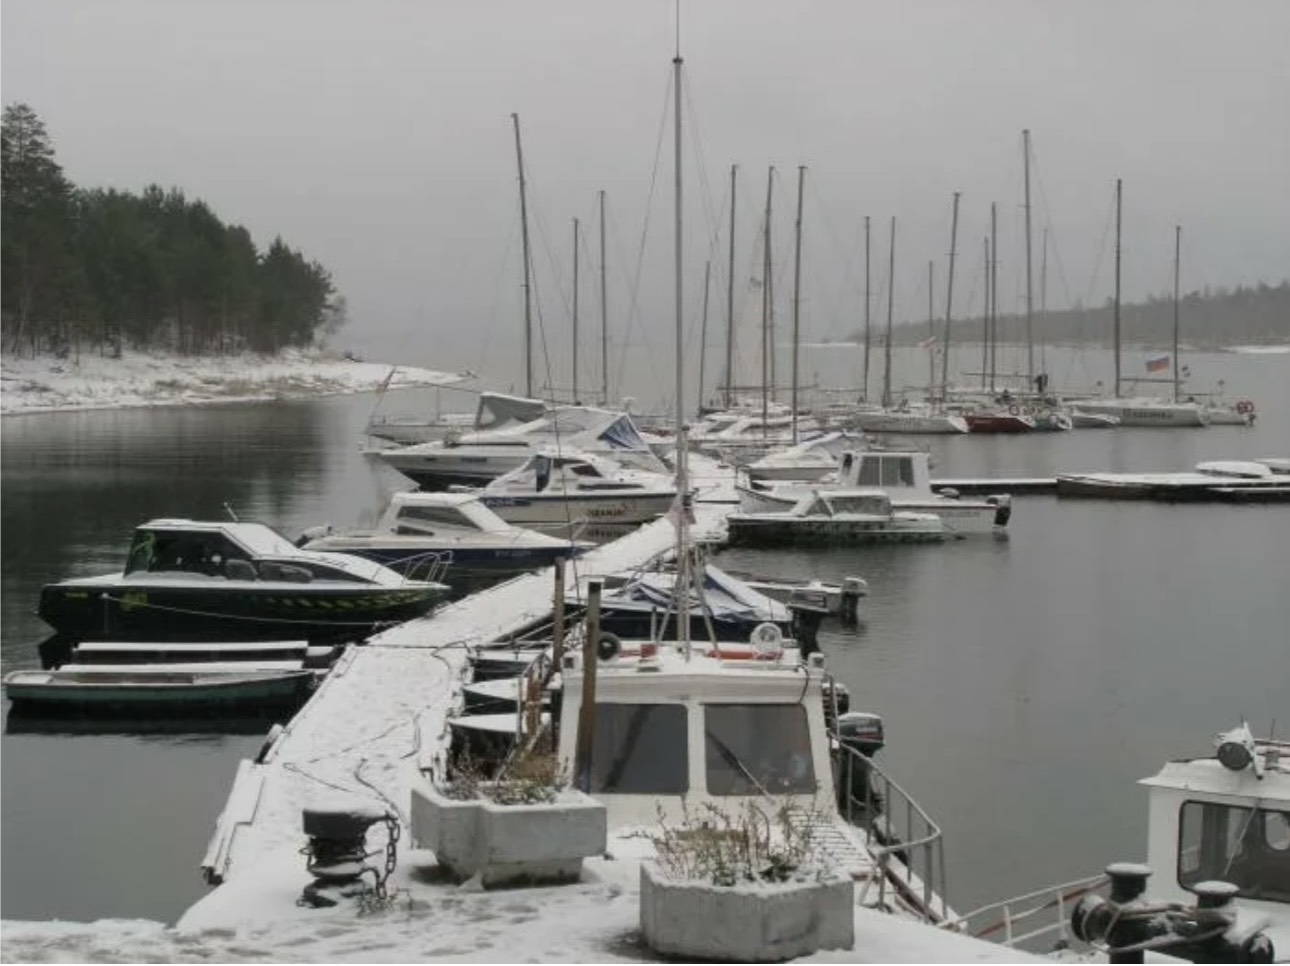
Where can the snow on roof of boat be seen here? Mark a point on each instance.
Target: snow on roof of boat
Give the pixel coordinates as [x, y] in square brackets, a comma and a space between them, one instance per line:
[1242, 468]
[1208, 775]
[259, 538]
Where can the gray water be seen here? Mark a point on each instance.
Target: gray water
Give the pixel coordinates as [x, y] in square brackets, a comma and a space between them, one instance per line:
[1026, 684]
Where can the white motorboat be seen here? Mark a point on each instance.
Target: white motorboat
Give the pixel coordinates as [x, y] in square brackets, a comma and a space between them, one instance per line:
[905, 418]
[562, 488]
[904, 477]
[808, 461]
[443, 535]
[739, 436]
[844, 516]
[1216, 883]
[477, 458]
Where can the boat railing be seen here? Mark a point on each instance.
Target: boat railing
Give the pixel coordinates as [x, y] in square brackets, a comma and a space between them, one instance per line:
[1044, 913]
[906, 845]
[430, 566]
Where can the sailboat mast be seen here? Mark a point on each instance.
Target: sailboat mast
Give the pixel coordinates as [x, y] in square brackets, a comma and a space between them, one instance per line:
[985, 314]
[891, 289]
[682, 486]
[575, 311]
[1118, 190]
[604, 312]
[949, 301]
[765, 306]
[931, 332]
[797, 290]
[1177, 253]
[864, 383]
[703, 330]
[524, 236]
[994, 290]
[1030, 302]
[1043, 300]
[730, 298]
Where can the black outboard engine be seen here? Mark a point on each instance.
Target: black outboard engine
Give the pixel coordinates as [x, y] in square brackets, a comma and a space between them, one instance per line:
[808, 609]
[860, 731]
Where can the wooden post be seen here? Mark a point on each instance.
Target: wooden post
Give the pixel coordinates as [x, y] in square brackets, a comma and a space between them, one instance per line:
[587, 709]
[557, 626]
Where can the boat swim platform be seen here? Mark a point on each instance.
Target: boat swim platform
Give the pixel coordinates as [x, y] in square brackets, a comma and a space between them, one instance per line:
[381, 714]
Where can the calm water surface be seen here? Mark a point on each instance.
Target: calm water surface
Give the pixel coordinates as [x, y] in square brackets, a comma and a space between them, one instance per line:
[1026, 684]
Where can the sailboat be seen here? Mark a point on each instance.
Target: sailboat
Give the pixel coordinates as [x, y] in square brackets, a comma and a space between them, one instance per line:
[1139, 410]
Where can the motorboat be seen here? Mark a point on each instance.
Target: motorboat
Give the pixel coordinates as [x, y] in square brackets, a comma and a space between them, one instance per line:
[442, 535]
[808, 462]
[1211, 481]
[837, 599]
[193, 580]
[1216, 883]
[557, 488]
[904, 476]
[740, 436]
[479, 457]
[111, 688]
[911, 419]
[838, 516]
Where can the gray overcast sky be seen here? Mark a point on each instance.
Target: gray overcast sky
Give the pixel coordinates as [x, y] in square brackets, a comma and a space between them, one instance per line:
[375, 136]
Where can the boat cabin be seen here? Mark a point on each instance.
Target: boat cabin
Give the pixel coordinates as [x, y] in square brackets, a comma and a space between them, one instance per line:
[826, 503]
[238, 551]
[731, 723]
[1224, 817]
[907, 471]
[551, 472]
[415, 513]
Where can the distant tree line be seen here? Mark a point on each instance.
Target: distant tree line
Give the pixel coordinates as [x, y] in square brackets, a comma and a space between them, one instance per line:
[1209, 319]
[103, 269]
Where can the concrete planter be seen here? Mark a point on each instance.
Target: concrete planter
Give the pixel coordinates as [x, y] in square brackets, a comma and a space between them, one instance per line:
[509, 844]
[756, 922]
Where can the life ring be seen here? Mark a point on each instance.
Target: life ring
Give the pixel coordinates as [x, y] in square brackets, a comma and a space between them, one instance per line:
[1014, 410]
[1245, 407]
[608, 646]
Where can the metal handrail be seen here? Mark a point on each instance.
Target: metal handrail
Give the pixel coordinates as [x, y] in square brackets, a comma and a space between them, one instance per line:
[921, 847]
[988, 920]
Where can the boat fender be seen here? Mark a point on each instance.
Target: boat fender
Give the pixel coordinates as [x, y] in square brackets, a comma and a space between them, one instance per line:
[1014, 410]
[270, 740]
[1245, 407]
[608, 646]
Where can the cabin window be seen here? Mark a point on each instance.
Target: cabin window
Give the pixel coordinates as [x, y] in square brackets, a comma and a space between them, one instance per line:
[442, 515]
[582, 469]
[870, 472]
[1249, 847]
[897, 472]
[757, 749]
[198, 553]
[640, 749]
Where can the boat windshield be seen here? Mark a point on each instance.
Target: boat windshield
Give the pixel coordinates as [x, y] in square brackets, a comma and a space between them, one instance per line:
[640, 749]
[181, 551]
[758, 749]
[1249, 847]
[886, 471]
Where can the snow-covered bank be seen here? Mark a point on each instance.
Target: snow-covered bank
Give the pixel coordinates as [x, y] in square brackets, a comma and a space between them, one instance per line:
[50, 384]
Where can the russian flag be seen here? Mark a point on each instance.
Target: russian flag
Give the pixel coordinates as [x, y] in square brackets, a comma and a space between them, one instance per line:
[1156, 363]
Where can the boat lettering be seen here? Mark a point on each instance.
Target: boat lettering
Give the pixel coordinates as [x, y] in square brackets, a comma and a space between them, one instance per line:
[132, 599]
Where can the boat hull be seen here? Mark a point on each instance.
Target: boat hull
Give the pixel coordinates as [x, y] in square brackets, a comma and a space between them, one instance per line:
[898, 422]
[560, 509]
[106, 690]
[959, 517]
[999, 423]
[1184, 490]
[260, 611]
[1162, 415]
[750, 532]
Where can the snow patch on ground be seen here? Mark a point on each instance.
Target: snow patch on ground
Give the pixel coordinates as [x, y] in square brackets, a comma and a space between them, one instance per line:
[51, 384]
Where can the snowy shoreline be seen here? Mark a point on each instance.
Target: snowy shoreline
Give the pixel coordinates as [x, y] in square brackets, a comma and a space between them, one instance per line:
[47, 384]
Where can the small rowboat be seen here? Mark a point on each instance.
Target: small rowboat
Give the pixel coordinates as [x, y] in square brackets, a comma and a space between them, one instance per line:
[110, 687]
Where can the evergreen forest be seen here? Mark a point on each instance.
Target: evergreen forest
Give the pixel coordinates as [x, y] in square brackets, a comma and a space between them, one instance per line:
[98, 269]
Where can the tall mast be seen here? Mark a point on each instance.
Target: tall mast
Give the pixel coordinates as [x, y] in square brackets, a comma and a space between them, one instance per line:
[1177, 253]
[524, 235]
[765, 306]
[604, 312]
[1043, 301]
[949, 301]
[931, 332]
[682, 599]
[797, 290]
[1030, 302]
[730, 298]
[985, 315]
[1117, 287]
[864, 383]
[891, 289]
[994, 289]
[575, 311]
[703, 330]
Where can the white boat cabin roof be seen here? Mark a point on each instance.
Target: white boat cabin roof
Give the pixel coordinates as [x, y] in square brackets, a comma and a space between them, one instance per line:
[1208, 775]
[418, 511]
[258, 539]
[898, 469]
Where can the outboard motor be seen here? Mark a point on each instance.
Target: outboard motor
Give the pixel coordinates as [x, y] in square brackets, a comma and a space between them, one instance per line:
[808, 609]
[1003, 508]
[853, 588]
[860, 731]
